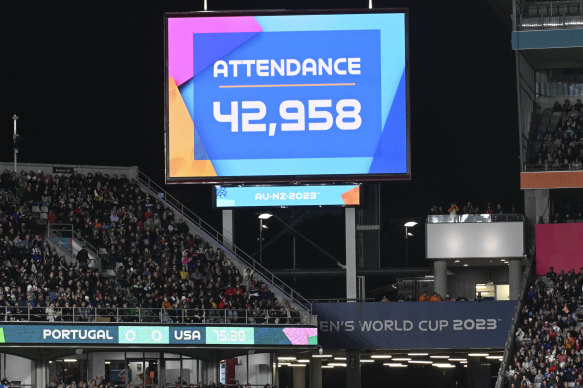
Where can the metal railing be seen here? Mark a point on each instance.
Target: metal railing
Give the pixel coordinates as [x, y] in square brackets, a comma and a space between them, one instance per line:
[549, 167]
[559, 89]
[149, 315]
[342, 300]
[509, 347]
[474, 218]
[58, 232]
[226, 245]
[550, 14]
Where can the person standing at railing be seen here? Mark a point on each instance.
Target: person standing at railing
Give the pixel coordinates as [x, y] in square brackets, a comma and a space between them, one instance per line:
[164, 315]
[83, 258]
[453, 212]
[51, 313]
[83, 312]
[67, 313]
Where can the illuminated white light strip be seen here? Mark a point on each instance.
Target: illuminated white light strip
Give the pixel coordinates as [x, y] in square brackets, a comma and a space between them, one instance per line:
[420, 362]
[340, 358]
[457, 359]
[286, 358]
[478, 354]
[494, 357]
[297, 365]
[438, 356]
[303, 360]
[380, 356]
[337, 364]
[401, 359]
[321, 355]
[395, 365]
[417, 354]
[439, 365]
[327, 366]
[366, 361]
[69, 360]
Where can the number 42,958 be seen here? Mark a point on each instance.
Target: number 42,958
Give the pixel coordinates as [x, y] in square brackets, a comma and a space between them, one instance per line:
[293, 111]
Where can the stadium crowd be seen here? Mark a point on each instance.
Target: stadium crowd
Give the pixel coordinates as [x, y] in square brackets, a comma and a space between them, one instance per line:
[562, 144]
[548, 339]
[567, 212]
[159, 265]
[470, 208]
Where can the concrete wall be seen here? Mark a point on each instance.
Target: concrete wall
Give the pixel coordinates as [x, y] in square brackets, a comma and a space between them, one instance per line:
[260, 370]
[96, 364]
[471, 240]
[463, 279]
[16, 368]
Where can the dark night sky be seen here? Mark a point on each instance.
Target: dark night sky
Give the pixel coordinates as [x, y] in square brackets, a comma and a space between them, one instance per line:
[87, 82]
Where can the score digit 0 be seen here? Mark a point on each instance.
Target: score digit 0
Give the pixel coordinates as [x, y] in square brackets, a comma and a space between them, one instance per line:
[293, 111]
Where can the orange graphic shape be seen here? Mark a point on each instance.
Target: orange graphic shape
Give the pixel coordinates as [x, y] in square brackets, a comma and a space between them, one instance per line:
[181, 163]
[352, 196]
[551, 180]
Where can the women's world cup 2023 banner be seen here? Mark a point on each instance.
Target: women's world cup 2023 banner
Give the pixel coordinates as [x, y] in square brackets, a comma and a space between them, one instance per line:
[302, 96]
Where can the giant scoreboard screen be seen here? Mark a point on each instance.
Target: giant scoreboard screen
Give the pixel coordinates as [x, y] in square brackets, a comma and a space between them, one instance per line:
[267, 97]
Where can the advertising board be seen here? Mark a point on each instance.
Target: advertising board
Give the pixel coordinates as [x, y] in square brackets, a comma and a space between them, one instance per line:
[265, 196]
[157, 335]
[414, 325]
[279, 97]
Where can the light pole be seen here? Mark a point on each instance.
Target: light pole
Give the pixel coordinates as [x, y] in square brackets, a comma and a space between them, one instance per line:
[16, 141]
[408, 225]
[262, 216]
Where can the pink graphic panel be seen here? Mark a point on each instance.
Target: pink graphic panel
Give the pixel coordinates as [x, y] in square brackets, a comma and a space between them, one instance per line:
[180, 31]
[560, 246]
[300, 335]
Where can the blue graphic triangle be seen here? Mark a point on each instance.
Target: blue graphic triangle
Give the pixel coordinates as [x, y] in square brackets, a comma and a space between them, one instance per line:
[210, 47]
[391, 151]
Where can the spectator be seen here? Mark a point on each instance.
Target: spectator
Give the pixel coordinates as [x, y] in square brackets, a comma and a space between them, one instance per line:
[143, 242]
[546, 349]
[558, 147]
[435, 297]
[83, 258]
